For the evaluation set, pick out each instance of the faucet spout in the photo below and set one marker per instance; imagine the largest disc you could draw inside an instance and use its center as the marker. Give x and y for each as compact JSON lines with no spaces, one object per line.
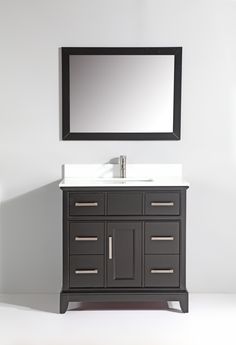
{"x":123,"y":166}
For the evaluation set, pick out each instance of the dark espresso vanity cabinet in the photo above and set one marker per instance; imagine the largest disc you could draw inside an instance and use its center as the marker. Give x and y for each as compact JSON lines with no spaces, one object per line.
{"x":124,"y":244}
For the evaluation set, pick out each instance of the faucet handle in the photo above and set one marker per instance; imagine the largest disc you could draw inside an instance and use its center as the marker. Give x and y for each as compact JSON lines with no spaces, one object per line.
{"x":122,"y":166}
{"x":123,"y":159}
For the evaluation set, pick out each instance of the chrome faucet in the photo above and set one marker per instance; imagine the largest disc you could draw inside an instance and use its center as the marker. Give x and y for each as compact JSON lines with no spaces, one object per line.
{"x":123,"y":166}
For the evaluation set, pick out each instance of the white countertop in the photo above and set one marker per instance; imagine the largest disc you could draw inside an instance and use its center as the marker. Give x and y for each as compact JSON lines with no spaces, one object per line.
{"x":107,"y":175}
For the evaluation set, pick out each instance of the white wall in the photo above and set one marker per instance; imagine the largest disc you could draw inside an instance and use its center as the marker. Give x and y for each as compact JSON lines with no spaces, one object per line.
{"x":31,"y":33}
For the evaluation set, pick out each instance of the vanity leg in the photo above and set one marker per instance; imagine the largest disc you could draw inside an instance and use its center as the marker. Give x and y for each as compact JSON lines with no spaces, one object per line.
{"x":184,"y":304}
{"x":63,"y":303}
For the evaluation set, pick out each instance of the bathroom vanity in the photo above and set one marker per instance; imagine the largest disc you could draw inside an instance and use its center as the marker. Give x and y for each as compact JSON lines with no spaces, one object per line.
{"x":124,"y":239}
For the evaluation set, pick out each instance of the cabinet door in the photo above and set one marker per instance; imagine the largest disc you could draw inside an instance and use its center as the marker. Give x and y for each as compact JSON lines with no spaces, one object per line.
{"x":124,"y":254}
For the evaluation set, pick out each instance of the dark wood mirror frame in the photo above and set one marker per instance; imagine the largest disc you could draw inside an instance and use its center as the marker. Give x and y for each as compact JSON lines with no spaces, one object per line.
{"x":68,"y":135}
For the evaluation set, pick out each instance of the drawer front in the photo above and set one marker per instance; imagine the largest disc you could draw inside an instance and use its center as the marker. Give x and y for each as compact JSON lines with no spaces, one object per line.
{"x":86,"y":271}
{"x":162,"y":203}
{"x":87,"y":238}
{"x":162,"y":237}
{"x":161,"y":270}
{"x":125,"y":203}
{"x":86,"y":204}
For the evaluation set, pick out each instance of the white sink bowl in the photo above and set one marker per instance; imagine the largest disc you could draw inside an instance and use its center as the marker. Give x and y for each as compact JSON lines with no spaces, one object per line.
{"x":123,"y":180}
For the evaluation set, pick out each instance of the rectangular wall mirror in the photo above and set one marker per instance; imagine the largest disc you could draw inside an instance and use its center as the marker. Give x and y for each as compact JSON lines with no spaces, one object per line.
{"x":121,"y":93}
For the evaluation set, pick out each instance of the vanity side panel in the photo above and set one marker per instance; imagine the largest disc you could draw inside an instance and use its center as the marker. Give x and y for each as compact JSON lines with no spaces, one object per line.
{"x":66,"y":241}
{"x":183,"y":239}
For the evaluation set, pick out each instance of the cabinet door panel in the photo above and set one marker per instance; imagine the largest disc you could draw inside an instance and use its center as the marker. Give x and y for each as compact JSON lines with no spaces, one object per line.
{"x":124,"y":254}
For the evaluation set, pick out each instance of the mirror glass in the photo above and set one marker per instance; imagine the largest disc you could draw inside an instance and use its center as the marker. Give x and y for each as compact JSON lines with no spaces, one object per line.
{"x":121,"y":93}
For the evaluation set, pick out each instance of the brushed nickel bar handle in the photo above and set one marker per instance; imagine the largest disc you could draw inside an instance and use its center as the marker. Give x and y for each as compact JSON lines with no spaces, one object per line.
{"x":110,"y":248}
{"x":157,"y":204}
{"x":162,"y":238}
{"x":86,"y":204}
{"x":86,"y":238}
{"x":155,"y":271}
{"x":93,"y":271}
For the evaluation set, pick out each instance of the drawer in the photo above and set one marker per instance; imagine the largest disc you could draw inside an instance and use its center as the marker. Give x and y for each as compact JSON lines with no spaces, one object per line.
{"x":86,"y":270}
{"x":125,"y":203}
{"x":87,"y":238}
{"x":86,"y":204}
{"x":161,"y":270}
{"x":161,"y":237}
{"x":162,"y":203}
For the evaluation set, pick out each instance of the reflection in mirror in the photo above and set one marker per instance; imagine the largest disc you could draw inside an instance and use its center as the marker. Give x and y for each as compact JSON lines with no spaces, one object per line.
{"x":121,"y":93}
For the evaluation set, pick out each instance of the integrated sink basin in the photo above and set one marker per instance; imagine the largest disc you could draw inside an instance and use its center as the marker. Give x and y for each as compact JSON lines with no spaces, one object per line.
{"x":123,"y":180}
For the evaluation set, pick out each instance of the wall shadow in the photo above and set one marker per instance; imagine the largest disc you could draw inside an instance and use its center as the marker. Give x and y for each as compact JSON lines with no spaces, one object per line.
{"x":31,"y":244}
{"x":40,"y":302}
